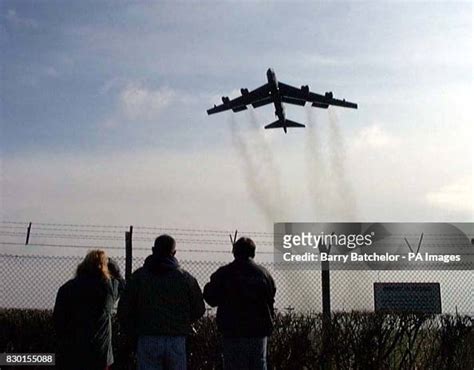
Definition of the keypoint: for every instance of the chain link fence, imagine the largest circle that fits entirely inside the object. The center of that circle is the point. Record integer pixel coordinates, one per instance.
(32, 281)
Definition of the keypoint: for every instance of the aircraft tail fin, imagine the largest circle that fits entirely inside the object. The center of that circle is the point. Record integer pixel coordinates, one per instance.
(284, 124)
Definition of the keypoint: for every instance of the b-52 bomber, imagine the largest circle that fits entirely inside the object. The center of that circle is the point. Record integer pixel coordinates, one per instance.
(278, 93)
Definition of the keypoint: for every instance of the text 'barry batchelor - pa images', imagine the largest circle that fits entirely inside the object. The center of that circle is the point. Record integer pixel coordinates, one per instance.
(374, 246)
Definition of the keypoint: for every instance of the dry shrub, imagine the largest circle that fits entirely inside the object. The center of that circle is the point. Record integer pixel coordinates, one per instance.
(356, 340)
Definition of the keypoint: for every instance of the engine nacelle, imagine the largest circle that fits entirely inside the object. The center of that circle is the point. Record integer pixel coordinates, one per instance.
(305, 89)
(329, 95)
(244, 91)
(225, 99)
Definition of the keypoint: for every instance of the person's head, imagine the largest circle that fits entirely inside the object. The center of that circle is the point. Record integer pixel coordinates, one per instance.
(94, 264)
(244, 248)
(114, 269)
(165, 246)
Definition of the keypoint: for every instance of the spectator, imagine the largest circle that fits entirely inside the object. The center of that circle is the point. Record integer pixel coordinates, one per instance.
(82, 315)
(158, 306)
(244, 294)
(115, 273)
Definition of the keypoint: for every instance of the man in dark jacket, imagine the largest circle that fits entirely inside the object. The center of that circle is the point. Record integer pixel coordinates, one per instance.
(244, 294)
(158, 306)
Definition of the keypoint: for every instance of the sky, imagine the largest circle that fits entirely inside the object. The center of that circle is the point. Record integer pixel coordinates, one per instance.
(103, 113)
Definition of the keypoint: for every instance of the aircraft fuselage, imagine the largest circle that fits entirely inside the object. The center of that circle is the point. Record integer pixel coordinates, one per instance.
(275, 93)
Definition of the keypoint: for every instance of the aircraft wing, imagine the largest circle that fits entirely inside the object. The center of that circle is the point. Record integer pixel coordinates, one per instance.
(258, 97)
(293, 95)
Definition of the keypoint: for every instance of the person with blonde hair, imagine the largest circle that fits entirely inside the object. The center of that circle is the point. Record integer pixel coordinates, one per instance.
(82, 314)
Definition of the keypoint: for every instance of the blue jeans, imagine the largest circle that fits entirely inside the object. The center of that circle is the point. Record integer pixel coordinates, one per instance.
(161, 353)
(245, 353)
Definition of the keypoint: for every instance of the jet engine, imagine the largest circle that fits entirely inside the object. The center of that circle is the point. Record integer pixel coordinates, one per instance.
(225, 99)
(244, 91)
(305, 89)
(328, 95)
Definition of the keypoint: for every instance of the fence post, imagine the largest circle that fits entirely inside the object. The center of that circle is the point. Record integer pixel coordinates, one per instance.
(28, 231)
(326, 289)
(326, 303)
(128, 253)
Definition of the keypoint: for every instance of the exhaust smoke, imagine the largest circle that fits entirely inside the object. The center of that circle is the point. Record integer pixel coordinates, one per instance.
(260, 171)
(316, 168)
(329, 188)
(344, 200)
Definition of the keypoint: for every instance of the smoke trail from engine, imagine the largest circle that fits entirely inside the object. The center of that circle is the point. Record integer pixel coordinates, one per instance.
(263, 185)
(316, 168)
(325, 159)
(344, 200)
(343, 197)
(267, 159)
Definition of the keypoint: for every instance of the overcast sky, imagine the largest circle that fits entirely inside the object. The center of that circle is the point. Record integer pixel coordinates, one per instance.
(103, 111)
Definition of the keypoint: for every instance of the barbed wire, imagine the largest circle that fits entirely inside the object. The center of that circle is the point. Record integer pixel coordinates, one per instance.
(177, 231)
(40, 234)
(120, 248)
(126, 227)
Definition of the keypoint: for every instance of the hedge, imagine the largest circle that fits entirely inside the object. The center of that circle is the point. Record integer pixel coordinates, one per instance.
(357, 340)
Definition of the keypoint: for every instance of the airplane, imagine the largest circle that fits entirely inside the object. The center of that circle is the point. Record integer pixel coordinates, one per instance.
(278, 93)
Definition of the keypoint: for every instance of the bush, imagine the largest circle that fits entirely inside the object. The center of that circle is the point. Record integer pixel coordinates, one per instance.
(356, 340)
(26, 331)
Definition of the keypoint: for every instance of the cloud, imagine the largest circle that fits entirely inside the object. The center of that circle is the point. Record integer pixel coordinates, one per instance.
(406, 177)
(374, 136)
(394, 178)
(112, 85)
(20, 22)
(137, 103)
(146, 187)
(455, 196)
(51, 71)
(140, 103)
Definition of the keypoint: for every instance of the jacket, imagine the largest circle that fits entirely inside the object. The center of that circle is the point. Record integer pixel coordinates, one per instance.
(82, 319)
(244, 294)
(160, 299)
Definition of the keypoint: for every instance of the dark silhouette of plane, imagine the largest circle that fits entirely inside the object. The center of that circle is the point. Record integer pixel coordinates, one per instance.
(277, 93)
